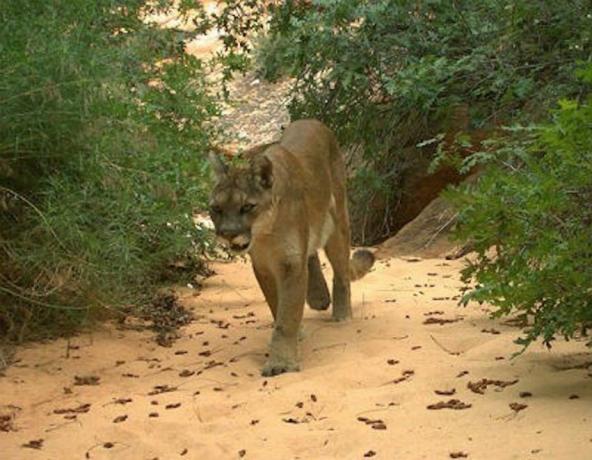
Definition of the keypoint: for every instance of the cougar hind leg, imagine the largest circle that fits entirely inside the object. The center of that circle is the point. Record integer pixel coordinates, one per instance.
(317, 296)
(337, 250)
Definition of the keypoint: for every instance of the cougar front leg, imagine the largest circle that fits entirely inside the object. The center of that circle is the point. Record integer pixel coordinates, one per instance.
(269, 288)
(283, 351)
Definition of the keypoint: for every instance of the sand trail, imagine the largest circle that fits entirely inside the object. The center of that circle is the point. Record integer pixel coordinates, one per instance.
(363, 392)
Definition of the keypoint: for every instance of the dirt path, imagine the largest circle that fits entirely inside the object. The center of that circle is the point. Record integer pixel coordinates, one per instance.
(364, 390)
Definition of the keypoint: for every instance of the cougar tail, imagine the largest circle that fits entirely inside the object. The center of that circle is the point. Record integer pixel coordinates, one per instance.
(361, 262)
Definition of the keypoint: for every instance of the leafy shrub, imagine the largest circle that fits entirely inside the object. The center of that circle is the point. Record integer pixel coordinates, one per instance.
(102, 131)
(533, 206)
(387, 75)
(271, 56)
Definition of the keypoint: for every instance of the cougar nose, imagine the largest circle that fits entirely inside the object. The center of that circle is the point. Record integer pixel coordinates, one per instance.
(227, 234)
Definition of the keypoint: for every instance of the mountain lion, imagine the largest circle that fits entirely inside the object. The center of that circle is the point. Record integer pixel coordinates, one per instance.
(288, 201)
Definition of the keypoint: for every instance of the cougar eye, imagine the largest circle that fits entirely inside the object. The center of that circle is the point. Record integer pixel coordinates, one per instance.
(215, 209)
(246, 208)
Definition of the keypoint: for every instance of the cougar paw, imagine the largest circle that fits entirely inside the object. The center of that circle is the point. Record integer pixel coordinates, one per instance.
(321, 305)
(276, 367)
(318, 300)
(340, 317)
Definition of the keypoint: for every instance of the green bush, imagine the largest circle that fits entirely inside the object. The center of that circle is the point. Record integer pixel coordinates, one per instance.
(529, 218)
(387, 75)
(102, 134)
(271, 55)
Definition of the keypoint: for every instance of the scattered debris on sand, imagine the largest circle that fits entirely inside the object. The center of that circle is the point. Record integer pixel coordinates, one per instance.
(166, 315)
(455, 404)
(481, 385)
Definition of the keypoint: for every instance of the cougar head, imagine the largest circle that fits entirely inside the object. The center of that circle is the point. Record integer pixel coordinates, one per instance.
(240, 195)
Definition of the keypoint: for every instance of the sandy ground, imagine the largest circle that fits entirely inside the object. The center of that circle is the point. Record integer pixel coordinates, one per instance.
(364, 388)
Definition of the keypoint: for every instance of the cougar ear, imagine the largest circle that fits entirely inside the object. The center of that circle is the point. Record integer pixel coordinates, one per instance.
(219, 168)
(263, 170)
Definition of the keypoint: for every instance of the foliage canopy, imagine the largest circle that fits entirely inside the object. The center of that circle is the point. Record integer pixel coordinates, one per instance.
(388, 75)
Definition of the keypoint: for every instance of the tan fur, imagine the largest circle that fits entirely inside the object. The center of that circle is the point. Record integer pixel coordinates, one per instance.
(285, 205)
